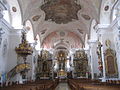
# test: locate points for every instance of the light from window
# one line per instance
(6, 16)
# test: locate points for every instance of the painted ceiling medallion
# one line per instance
(106, 8)
(61, 11)
(43, 31)
(36, 18)
(86, 17)
(14, 9)
(62, 34)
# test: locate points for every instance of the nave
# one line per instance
(57, 84)
(59, 44)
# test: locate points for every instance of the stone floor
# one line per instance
(62, 86)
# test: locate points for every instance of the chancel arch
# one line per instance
(70, 38)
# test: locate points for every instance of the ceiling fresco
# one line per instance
(63, 16)
(60, 37)
(61, 11)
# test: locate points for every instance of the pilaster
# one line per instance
(93, 57)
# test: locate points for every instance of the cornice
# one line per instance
(8, 28)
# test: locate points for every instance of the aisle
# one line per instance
(62, 86)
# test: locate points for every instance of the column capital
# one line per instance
(92, 41)
(15, 32)
(101, 26)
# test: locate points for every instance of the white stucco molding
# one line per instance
(101, 28)
(8, 28)
(118, 21)
(15, 32)
(92, 41)
(115, 22)
(87, 49)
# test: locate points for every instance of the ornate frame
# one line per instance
(111, 64)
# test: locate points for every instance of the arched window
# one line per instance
(30, 34)
(6, 16)
(6, 12)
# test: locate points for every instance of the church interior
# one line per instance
(59, 44)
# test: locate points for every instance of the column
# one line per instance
(102, 30)
(72, 66)
(102, 54)
(93, 58)
(88, 58)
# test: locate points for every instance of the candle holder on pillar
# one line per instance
(23, 50)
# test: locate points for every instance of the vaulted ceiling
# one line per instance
(60, 22)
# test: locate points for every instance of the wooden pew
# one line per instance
(86, 84)
(41, 85)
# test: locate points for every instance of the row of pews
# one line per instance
(113, 82)
(38, 85)
(87, 84)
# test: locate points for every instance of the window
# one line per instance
(6, 16)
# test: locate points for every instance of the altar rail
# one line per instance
(87, 84)
(39, 85)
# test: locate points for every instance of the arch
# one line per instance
(71, 38)
(93, 34)
(115, 10)
(105, 11)
(15, 14)
(62, 46)
(30, 34)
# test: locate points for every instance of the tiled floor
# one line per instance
(62, 86)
